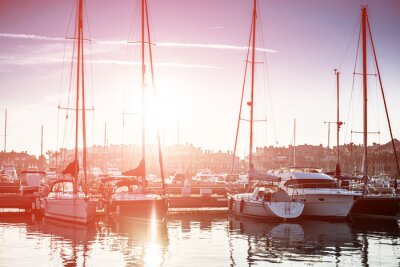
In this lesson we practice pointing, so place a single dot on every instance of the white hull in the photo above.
(243, 205)
(78, 210)
(327, 204)
(322, 198)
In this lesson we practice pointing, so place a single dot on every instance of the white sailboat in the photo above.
(370, 205)
(130, 198)
(267, 200)
(66, 200)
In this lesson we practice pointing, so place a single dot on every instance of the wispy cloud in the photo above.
(47, 60)
(216, 28)
(30, 37)
(190, 45)
(122, 42)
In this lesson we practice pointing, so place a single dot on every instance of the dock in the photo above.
(197, 201)
(180, 197)
(9, 188)
(17, 201)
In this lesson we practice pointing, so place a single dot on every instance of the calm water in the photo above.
(201, 238)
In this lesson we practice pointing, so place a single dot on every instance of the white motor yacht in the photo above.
(320, 192)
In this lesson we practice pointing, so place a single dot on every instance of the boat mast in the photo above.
(294, 143)
(5, 132)
(160, 158)
(80, 74)
(143, 98)
(83, 104)
(365, 118)
(79, 24)
(338, 122)
(41, 148)
(251, 166)
(384, 102)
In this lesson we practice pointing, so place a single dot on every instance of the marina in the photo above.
(148, 158)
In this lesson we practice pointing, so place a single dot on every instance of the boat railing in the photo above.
(331, 188)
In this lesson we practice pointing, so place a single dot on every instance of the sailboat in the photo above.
(265, 199)
(66, 199)
(129, 198)
(373, 206)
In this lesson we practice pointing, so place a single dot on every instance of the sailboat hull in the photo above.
(383, 207)
(80, 210)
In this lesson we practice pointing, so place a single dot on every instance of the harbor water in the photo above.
(197, 238)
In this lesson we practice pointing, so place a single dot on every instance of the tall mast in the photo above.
(384, 102)
(83, 109)
(77, 78)
(143, 95)
(338, 122)
(337, 113)
(41, 147)
(79, 73)
(294, 143)
(105, 147)
(365, 118)
(5, 132)
(251, 167)
(160, 158)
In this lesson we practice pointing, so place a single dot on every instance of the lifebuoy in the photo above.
(241, 205)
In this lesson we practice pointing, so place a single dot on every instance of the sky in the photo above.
(199, 56)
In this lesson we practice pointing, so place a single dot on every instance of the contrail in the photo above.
(30, 37)
(120, 42)
(188, 45)
(49, 60)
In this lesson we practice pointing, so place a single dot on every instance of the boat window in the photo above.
(311, 183)
(122, 189)
(68, 187)
(63, 187)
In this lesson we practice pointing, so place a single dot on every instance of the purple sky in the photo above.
(200, 86)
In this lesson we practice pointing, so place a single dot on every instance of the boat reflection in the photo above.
(71, 241)
(310, 241)
(143, 243)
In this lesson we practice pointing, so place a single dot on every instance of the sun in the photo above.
(163, 108)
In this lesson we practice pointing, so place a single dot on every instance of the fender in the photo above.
(241, 205)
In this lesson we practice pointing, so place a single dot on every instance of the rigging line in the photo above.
(351, 109)
(242, 96)
(153, 29)
(63, 62)
(265, 71)
(133, 18)
(377, 103)
(358, 24)
(62, 76)
(91, 55)
(65, 154)
(384, 102)
(274, 128)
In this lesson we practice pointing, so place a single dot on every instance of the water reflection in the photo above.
(144, 243)
(311, 241)
(68, 240)
(196, 238)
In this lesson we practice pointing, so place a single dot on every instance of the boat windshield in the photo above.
(311, 183)
(63, 187)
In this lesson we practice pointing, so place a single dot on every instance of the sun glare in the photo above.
(162, 109)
